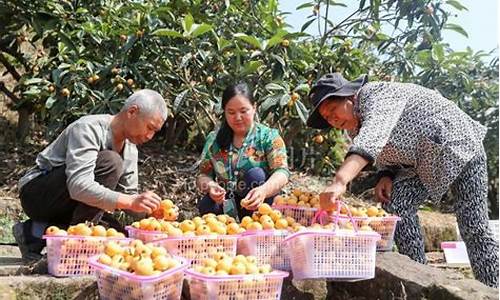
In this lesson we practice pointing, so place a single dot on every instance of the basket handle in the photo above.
(318, 216)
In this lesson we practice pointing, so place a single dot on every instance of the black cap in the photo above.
(331, 85)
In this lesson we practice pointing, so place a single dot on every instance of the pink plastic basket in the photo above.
(117, 284)
(68, 255)
(343, 255)
(144, 235)
(264, 286)
(266, 246)
(197, 248)
(302, 215)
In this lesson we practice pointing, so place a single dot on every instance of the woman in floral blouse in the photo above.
(244, 163)
(423, 144)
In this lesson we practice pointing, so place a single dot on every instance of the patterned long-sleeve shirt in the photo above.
(411, 128)
(266, 149)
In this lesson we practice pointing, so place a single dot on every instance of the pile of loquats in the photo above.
(84, 229)
(222, 264)
(167, 211)
(138, 258)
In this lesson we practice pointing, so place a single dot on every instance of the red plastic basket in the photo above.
(117, 284)
(263, 286)
(68, 255)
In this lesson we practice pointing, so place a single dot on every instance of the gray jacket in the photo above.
(77, 148)
(416, 130)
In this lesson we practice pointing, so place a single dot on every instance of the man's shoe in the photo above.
(29, 251)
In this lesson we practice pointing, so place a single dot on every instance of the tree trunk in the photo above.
(23, 124)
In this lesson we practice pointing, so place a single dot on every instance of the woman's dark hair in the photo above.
(225, 134)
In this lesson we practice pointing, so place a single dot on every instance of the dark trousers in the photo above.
(252, 178)
(46, 198)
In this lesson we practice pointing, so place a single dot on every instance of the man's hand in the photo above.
(146, 202)
(383, 190)
(254, 198)
(216, 192)
(331, 194)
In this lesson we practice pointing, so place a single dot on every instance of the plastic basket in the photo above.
(385, 226)
(263, 286)
(343, 255)
(197, 248)
(68, 255)
(144, 235)
(117, 284)
(302, 215)
(266, 246)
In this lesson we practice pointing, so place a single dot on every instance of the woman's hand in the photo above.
(331, 194)
(383, 190)
(216, 192)
(254, 198)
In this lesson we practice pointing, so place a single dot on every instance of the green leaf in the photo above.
(67, 41)
(438, 52)
(305, 5)
(167, 32)
(252, 66)
(187, 22)
(222, 43)
(50, 101)
(284, 99)
(178, 100)
(333, 3)
(200, 29)
(306, 24)
(33, 81)
(279, 59)
(302, 111)
(362, 4)
(276, 39)
(303, 87)
(456, 5)
(456, 28)
(274, 87)
(249, 39)
(269, 102)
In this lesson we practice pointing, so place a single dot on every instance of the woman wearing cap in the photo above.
(422, 144)
(244, 163)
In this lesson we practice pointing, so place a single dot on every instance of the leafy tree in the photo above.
(71, 58)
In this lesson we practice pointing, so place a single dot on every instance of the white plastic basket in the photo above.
(117, 284)
(266, 246)
(251, 287)
(144, 235)
(302, 215)
(385, 226)
(68, 255)
(197, 248)
(342, 255)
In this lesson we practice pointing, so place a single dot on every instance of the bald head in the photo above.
(148, 102)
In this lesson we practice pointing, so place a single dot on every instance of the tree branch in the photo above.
(9, 94)
(12, 70)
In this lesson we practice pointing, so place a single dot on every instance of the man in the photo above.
(89, 169)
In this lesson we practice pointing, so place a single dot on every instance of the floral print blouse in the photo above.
(266, 149)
